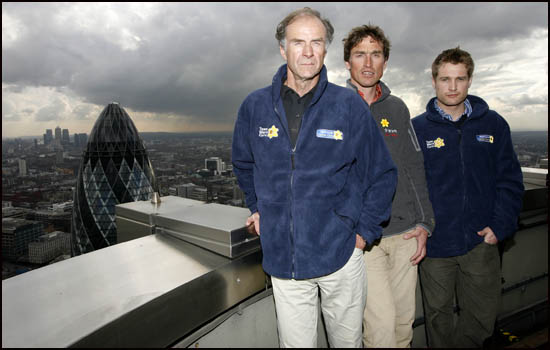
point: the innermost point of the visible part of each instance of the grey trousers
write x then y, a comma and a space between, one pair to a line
476, 279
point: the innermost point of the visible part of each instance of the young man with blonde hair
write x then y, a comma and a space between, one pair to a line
476, 187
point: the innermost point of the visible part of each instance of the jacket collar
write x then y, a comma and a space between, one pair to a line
280, 77
479, 109
385, 89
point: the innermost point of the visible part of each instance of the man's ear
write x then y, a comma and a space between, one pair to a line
283, 53
348, 66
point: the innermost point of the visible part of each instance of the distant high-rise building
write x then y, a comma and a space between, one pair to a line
214, 164
80, 140
22, 167
48, 137
65, 138
114, 169
58, 134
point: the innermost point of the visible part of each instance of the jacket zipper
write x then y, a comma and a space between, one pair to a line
459, 129
292, 250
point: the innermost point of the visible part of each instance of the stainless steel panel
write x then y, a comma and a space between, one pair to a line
207, 221
216, 227
219, 228
144, 292
144, 210
129, 229
228, 249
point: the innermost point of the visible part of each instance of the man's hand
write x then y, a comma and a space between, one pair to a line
421, 237
489, 235
253, 223
359, 242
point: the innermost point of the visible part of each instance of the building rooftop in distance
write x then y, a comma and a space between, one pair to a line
534, 177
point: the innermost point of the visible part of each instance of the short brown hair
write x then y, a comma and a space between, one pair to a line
280, 34
454, 56
359, 33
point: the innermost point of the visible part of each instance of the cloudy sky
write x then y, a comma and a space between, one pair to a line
188, 66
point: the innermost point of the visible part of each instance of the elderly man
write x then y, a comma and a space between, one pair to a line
315, 169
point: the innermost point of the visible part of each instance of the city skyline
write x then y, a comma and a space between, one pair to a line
188, 67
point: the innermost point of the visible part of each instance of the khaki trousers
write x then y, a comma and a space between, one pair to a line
391, 285
342, 304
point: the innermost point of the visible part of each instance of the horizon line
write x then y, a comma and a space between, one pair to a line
214, 132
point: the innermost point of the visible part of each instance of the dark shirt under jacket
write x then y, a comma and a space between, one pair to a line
295, 107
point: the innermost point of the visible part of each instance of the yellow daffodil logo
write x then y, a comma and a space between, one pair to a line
385, 123
439, 142
273, 132
491, 139
338, 135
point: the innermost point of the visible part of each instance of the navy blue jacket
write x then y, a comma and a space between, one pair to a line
312, 200
474, 177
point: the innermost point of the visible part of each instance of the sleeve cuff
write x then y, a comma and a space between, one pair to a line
425, 228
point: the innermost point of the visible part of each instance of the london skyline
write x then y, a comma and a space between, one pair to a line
187, 67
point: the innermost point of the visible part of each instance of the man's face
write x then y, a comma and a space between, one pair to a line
305, 47
366, 62
452, 84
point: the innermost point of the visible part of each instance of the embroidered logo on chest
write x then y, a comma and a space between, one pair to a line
485, 138
269, 132
437, 143
386, 127
330, 134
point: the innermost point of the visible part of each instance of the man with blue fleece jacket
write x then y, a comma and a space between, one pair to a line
318, 181
476, 187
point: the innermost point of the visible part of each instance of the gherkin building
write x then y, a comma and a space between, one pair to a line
114, 169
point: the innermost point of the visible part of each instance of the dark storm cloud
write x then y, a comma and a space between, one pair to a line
202, 60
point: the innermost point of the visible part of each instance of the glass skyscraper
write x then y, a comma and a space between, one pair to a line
114, 169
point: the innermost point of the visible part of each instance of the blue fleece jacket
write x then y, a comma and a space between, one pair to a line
474, 177
338, 180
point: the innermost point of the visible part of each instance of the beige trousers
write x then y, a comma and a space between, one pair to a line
391, 282
342, 303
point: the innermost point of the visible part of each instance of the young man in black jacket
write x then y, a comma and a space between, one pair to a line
392, 262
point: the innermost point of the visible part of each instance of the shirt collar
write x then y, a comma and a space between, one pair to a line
377, 93
285, 90
467, 110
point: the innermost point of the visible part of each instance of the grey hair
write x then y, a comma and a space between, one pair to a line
280, 34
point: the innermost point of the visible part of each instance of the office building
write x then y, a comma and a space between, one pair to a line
65, 140
214, 164
199, 194
58, 134
48, 137
16, 236
115, 168
80, 140
22, 167
185, 190
49, 246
